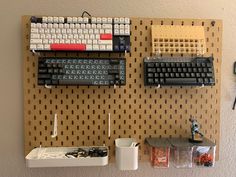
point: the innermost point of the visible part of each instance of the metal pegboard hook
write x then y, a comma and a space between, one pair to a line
158, 86
36, 53
202, 86
109, 125
47, 86
54, 127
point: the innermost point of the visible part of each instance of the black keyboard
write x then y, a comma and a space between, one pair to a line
81, 71
197, 71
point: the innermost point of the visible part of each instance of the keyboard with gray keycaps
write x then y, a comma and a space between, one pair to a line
81, 71
197, 71
80, 34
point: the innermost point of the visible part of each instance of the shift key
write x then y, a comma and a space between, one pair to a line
44, 76
42, 70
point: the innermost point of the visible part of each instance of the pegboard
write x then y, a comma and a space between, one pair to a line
136, 111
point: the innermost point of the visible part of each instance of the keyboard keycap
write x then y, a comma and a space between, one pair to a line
113, 71
156, 81
151, 65
150, 81
151, 70
41, 82
106, 36
48, 82
150, 74
209, 74
75, 82
44, 76
74, 47
43, 70
181, 81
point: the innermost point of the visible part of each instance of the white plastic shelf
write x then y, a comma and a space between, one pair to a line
55, 157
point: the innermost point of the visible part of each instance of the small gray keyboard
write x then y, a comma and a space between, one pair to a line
81, 71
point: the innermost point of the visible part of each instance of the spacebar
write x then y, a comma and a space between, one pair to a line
75, 82
181, 81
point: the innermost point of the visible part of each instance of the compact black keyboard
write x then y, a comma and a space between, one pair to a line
197, 71
81, 71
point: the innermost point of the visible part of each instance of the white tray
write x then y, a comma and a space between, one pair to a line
55, 157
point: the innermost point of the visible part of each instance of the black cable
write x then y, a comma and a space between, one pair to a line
234, 103
85, 12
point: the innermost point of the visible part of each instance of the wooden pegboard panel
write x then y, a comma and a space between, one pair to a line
136, 111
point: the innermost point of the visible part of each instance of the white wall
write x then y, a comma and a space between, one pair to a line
11, 91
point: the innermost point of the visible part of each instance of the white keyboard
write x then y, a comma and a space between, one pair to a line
80, 34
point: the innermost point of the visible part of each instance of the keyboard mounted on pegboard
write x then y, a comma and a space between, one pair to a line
80, 34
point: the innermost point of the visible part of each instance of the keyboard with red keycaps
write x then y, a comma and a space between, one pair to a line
80, 34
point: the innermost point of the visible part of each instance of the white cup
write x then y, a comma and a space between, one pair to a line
126, 154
